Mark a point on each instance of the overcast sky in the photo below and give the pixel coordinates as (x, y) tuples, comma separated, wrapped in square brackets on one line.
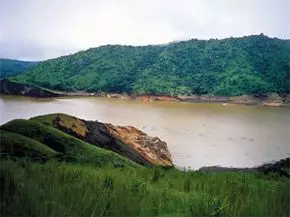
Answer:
[(42, 29)]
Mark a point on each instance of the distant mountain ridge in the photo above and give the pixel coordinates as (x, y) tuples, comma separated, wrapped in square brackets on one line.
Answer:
[(250, 65), (10, 67)]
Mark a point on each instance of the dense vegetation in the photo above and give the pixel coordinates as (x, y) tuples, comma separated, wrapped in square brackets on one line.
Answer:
[(46, 172), (234, 66), (9, 68)]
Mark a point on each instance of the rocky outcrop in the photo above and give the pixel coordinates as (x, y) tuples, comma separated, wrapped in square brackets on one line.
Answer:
[(152, 149), (127, 141), (12, 88)]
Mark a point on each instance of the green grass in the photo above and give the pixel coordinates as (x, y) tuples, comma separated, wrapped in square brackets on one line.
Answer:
[(63, 189), (13, 144), (68, 122), (45, 172), (49, 119), (71, 148)]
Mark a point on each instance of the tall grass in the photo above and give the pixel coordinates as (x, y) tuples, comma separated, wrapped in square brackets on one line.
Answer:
[(63, 189)]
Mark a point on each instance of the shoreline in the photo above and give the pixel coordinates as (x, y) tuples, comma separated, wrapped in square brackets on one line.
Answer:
[(272, 100)]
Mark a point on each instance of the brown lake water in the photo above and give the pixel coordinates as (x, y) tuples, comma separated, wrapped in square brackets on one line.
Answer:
[(197, 134)]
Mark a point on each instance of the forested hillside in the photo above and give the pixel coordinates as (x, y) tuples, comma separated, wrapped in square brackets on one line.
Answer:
[(10, 67), (234, 66)]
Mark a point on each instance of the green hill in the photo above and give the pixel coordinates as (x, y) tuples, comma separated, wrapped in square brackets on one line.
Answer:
[(235, 66), (9, 68), (126, 141), (16, 145), (36, 137)]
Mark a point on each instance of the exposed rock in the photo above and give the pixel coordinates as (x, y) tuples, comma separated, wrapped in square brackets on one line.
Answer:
[(13, 88), (152, 149), (127, 141)]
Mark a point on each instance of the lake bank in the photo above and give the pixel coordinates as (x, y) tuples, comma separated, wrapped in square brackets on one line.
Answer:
[(272, 99)]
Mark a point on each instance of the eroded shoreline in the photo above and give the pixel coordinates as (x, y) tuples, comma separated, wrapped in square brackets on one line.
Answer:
[(272, 100)]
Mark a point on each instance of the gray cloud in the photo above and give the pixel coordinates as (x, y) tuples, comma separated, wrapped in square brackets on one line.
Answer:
[(36, 30)]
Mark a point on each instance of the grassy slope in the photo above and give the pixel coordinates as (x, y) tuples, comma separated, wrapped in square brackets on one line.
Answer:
[(99, 188), (94, 133), (68, 121), (70, 147), (59, 189), (13, 144)]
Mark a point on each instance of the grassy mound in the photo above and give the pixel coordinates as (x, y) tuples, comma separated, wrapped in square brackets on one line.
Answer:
[(69, 122), (15, 145), (71, 148), (98, 134)]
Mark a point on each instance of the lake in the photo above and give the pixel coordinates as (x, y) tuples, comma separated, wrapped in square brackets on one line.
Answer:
[(197, 134)]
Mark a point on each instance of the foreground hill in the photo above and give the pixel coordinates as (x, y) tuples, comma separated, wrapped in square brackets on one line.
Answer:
[(24, 138), (9, 68), (85, 141), (229, 67), (127, 141), (47, 171)]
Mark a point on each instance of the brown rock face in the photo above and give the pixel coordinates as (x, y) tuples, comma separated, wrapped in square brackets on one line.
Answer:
[(152, 149), (127, 141)]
